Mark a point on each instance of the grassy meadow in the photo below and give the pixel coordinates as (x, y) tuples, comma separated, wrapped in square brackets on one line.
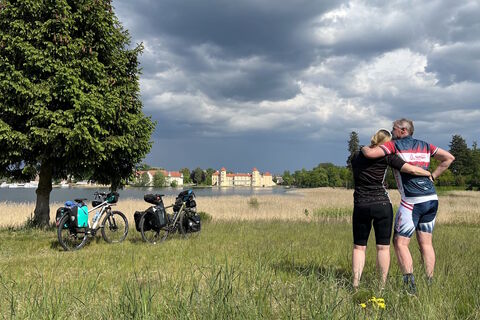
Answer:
[(268, 256)]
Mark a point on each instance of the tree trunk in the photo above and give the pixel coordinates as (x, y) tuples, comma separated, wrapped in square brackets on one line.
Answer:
[(41, 217)]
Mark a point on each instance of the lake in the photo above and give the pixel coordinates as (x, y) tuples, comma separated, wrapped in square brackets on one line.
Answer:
[(18, 195)]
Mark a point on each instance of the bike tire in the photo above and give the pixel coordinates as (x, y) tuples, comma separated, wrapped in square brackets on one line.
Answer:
[(152, 236), (183, 224), (70, 238), (114, 227)]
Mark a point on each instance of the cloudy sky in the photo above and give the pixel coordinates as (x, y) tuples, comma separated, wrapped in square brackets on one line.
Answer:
[(280, 84)]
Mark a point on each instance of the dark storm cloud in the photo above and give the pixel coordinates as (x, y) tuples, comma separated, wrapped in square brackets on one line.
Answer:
[(299, 76), (240, 28), (207, 39), (456, 63)]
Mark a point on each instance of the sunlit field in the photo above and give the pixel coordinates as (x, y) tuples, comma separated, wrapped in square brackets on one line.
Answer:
[(261, 257), (298, 205)]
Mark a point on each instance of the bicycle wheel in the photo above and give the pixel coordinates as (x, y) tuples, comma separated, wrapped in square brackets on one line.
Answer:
[(150, 235), (115, 227), (70, 237), (183, 225)]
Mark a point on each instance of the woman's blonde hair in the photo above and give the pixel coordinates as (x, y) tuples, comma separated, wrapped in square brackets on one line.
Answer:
[(380, 137)]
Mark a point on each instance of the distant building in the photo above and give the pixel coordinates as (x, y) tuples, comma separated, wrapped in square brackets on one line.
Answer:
[(255, 179), (170, 176)]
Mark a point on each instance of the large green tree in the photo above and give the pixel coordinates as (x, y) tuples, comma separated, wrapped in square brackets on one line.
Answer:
[(69, 95), (463, 161), (208, 176), (186, 175), (198, 176), (353, 146), (287, 178), (475, 178), (159, 180)]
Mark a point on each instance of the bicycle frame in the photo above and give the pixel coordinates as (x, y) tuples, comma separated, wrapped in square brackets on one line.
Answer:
[(104, 207), (176, 215)]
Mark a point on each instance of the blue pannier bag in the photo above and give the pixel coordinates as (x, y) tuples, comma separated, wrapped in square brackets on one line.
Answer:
[(78, 213), (80, 216)]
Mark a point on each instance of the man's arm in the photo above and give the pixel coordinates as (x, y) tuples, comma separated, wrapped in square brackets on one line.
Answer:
[(445, 158), (373, 153)]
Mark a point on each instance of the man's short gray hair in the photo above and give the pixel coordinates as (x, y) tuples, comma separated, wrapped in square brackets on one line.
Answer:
[(405, 123)]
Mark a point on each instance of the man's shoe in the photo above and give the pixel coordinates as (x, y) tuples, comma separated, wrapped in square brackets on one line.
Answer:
[(409, 283), (429, 281)]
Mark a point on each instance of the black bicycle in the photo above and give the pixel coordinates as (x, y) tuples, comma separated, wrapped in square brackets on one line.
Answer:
[(74, 227), (155, 224)]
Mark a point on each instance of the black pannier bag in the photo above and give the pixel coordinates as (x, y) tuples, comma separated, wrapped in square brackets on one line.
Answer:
[(155, 199), (186, 196), (137, 216), (194, 224), (112, 197), (155, 218), (178, 204), (60, 213), (161, 216), (191, 203)]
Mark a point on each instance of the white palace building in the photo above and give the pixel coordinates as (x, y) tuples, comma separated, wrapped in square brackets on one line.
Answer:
[(255, 179)]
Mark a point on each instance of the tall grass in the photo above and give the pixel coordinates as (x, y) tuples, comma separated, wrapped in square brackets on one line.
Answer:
[(300, 205), (289, 258), (232, 270)]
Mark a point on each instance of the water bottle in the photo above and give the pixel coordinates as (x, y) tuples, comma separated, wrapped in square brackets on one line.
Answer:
[(96, 216)]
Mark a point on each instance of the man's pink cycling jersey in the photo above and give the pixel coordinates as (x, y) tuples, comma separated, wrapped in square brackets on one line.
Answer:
[(414, 189)]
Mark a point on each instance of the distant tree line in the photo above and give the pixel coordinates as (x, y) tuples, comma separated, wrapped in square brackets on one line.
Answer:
[(465, 170), (463, 173), (323, 175), (197, 176)]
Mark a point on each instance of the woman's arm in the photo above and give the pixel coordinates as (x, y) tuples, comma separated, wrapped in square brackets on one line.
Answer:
[(414, 170)]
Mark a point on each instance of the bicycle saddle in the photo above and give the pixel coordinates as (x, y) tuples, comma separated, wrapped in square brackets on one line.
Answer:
[(80, 199)]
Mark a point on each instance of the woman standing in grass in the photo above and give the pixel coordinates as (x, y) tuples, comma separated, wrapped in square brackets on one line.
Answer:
[(372, 205)]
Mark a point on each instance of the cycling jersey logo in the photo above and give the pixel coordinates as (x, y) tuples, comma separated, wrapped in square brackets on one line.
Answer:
[(417, 157)]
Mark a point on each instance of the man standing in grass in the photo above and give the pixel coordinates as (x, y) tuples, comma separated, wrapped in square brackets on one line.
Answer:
[(419, 204)]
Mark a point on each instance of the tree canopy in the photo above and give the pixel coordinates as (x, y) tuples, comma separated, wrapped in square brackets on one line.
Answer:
[(69, 95), (459, 149), (353, 146), (159, 180)]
